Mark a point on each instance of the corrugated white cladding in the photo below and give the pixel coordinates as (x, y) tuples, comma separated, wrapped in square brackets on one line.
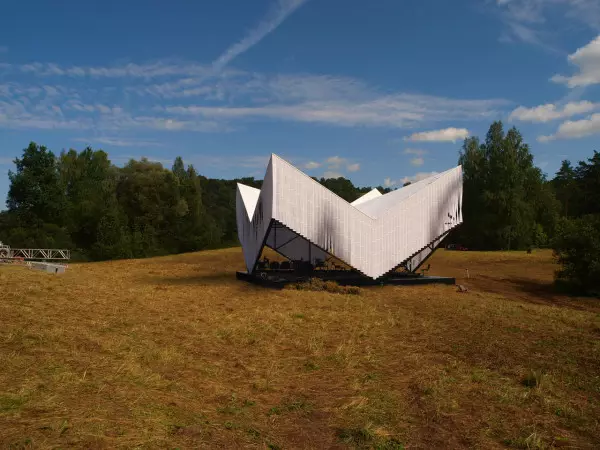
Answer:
[(373, 236)]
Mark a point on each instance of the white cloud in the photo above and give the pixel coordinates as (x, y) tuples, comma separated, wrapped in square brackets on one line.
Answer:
[(388, 182), (587, 60), (575, 129), (417, 161), (334, 165), (445, 135), (312, 165), (335, 162), (548, 112), (415, 151), (332, 174), (280, 11)]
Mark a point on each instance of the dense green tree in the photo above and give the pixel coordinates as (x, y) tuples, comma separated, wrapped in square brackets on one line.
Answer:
[(150, 198), (342, 187), (89, 181), (578, 189), (35, 192), (588, 180), (577, 248), (577, 241), (36, 202), (506, 204), (196, 228), (565, 186)]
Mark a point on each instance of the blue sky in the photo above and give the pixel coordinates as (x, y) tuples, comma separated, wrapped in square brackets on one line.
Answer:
[(380, 91)]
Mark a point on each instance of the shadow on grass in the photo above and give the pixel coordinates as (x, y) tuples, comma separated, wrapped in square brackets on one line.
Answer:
[(537, 292)]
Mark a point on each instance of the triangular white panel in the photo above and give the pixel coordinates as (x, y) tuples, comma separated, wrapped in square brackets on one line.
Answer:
[(372, 194), (373, 236), (249, 198)]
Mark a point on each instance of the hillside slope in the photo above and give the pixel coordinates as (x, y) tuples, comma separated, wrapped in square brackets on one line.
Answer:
[(174, 352)]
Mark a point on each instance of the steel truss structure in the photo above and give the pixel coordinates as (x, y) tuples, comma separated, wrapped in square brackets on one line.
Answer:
[(305, 222), (34, 253)]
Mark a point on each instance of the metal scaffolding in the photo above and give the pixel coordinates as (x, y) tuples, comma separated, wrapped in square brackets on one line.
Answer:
[(34, 253)]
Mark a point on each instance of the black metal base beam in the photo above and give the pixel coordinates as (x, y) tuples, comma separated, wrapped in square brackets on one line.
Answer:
[(279, 279)]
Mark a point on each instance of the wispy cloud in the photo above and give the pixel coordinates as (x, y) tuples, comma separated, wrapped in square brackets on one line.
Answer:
[(523, 20), (535, 21), (550, 111), (417, 156), (353, 167), (118, 142), (414, 151), (211, 103), (3, 49), (131, 70), (587, 60), (445, 135), (280, 11), (390, 111)]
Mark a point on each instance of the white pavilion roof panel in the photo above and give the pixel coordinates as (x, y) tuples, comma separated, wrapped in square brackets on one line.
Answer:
[(373, 235)]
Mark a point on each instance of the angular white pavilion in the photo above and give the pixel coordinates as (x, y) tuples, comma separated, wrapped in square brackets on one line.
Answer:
[(302, 220)]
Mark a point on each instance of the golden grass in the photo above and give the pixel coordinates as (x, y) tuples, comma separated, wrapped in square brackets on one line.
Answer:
[(174, 352)]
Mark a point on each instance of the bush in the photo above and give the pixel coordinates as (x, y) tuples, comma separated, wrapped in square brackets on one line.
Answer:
[(577, 250), (317, 284)]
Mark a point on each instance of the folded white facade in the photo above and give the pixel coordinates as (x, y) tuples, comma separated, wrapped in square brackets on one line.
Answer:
[(302, 220)]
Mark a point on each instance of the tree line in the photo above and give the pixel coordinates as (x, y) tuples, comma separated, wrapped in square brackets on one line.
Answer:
[(83, 202), (509, 204)]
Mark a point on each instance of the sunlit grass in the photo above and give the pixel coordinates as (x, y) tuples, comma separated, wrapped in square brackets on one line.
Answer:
[(174, 352)]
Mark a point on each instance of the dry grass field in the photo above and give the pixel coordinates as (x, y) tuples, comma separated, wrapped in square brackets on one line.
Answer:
[(174, 352)]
